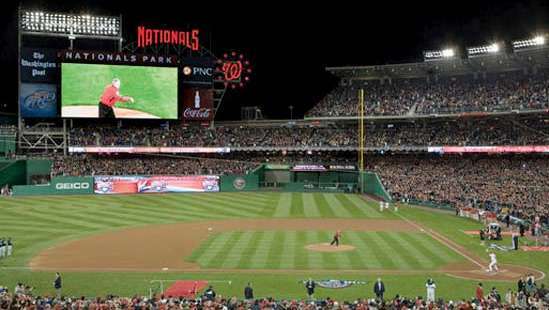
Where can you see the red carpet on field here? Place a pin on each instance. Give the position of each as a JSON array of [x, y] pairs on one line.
[[187, 289]]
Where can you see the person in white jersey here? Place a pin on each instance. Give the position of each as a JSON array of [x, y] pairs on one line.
[[493, 263]]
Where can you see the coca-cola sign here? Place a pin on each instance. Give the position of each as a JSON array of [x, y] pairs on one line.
[[191, 113], [198, 104]]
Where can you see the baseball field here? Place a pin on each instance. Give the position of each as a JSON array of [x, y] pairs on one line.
[[119, 244], [153, 88]]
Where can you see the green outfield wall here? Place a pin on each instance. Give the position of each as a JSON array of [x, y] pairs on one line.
[[239, 183], [58, 186]]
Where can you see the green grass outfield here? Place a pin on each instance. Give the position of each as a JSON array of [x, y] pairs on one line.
[[36, 223], [286, 250], [153, 88]]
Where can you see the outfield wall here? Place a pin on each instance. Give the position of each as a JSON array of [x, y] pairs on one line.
[[239, 183], [343, 182], [372, 185], [13, 172], [58, 186]]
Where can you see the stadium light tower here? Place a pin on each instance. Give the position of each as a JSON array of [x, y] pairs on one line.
[[490, 49], [70, 26], [444, 54], [65, 25], [539, 41]]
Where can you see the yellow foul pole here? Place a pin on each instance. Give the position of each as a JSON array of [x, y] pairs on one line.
[[361, 136]]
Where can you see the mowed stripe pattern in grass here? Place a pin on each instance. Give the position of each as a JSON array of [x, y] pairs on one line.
[[286, 250], [38, 222]]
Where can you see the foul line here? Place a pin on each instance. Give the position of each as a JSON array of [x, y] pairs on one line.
[[440, 239]]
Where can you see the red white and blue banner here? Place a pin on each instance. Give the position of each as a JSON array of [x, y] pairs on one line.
[[155, 184]]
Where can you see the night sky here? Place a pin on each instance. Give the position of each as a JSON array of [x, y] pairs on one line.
[[290, 45]]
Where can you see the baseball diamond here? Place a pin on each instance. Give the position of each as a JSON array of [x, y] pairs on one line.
[[213, 235], [184, 155]]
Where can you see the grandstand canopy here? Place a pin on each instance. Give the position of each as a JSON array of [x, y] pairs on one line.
[[523, 60]]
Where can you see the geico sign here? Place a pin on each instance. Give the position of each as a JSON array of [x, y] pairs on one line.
[[72, 185]]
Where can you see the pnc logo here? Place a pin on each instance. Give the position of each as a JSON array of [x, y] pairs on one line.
[[63, 186], [198, 71]]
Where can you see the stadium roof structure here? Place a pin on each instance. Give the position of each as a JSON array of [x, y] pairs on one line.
[[518, 60]]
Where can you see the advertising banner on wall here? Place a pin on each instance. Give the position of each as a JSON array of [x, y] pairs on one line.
[[197, 70], [39, 65], [197, 104], [146, 149], [489, 149], [155, 184], [38, 100]]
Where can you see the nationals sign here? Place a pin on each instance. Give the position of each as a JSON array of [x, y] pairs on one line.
[[147, 37]]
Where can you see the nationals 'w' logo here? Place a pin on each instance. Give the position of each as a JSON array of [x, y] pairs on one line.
[[232, 70], [235, 70]]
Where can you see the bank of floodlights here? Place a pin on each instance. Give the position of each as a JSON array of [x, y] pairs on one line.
[[491, 49], [448, 53], [70, 24], [535, 42]]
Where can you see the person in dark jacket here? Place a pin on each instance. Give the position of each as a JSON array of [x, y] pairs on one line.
[[379, 288], [248, 292], [57, 284], [520, 285], [310, 286], [209, 293]]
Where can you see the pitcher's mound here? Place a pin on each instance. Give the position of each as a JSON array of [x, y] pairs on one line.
[[326, 247]]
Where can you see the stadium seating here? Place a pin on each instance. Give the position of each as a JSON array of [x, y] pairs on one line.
[[471, 132], [449, 95]]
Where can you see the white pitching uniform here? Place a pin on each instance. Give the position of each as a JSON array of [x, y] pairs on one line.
[[381, 206], [493, 263], [431, 287]]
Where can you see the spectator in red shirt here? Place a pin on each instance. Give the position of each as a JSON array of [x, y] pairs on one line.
[[110, 96], [480, 292]]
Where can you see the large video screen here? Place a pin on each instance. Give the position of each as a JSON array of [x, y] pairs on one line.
[[114, 91]]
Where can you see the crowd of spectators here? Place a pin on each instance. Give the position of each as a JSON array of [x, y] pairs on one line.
[[515, 183], [220, 136], [23, 298], [147, 165], [463, 132], [493, 93]]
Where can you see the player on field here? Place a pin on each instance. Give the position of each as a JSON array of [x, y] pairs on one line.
[[493, 262], [335, 240], [110, 96]]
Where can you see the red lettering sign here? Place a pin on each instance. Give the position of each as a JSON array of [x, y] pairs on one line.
[[147, 37]]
